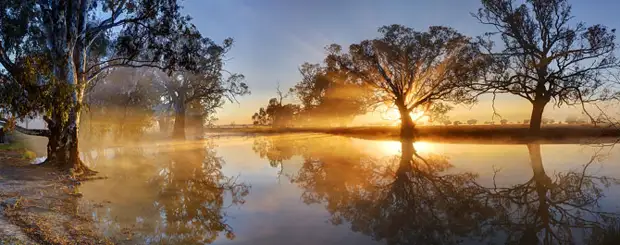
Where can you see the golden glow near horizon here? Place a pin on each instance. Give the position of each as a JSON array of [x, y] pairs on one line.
[[393, 115], [390, 148]]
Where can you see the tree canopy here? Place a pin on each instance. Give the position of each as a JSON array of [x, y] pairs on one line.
[[326, 97], [413, 70], [50, 51], [547, 56]]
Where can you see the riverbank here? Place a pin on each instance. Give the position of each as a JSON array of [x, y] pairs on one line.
[[461, 134], [39, 205]]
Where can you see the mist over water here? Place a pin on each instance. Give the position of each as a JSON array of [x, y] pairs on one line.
[[320, 189]]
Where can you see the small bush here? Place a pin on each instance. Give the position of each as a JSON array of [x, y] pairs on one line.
[[29, 155]]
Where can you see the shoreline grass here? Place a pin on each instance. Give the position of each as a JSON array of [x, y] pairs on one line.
[[467, 133]]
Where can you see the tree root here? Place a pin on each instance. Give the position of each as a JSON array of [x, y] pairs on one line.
[[78, 170]]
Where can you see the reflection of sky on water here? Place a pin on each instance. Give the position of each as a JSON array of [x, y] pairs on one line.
[[274, 211]]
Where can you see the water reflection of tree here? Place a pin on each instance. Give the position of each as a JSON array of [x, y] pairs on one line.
[[546, 210], [190, 197], [410, 199], [403, 200], [276, 149]]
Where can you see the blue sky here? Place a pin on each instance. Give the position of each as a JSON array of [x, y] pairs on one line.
[[274, 37]]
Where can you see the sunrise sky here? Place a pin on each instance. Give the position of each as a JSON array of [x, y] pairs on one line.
[[274, 37]]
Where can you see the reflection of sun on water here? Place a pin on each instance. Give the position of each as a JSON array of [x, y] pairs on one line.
[[395, 148]]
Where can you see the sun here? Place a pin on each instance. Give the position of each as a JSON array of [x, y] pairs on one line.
[[393, 115]]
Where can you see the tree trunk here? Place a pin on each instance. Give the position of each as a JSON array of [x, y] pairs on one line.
[[179, 121], [538, 108], [537, 165], [200, 126], [407, 126], [542, 184], [406, 158], [62, 148], [163, 124]]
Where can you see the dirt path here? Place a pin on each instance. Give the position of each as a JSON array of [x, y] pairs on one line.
[[38, 205]]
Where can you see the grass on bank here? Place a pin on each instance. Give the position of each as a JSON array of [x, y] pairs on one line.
[[18, 145]]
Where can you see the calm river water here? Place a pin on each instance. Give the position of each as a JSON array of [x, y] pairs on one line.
[[321, 189]]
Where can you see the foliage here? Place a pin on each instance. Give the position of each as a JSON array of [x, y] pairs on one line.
[[204, 90], [140, 35], [51, 51], [261, 117], [207, 87], [411, 70], [276, 113], [328, 96]]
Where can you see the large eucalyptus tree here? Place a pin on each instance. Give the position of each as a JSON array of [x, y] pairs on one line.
[[547, 56], [207, 89], [413, 70], [50, 50]]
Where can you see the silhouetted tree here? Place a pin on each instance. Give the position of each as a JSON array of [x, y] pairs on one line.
[[328, 95], [50, 51], [472, 122], [276, 113], [261, 117], [504, 121], [412, 70], [206, 88], [546, 57]]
